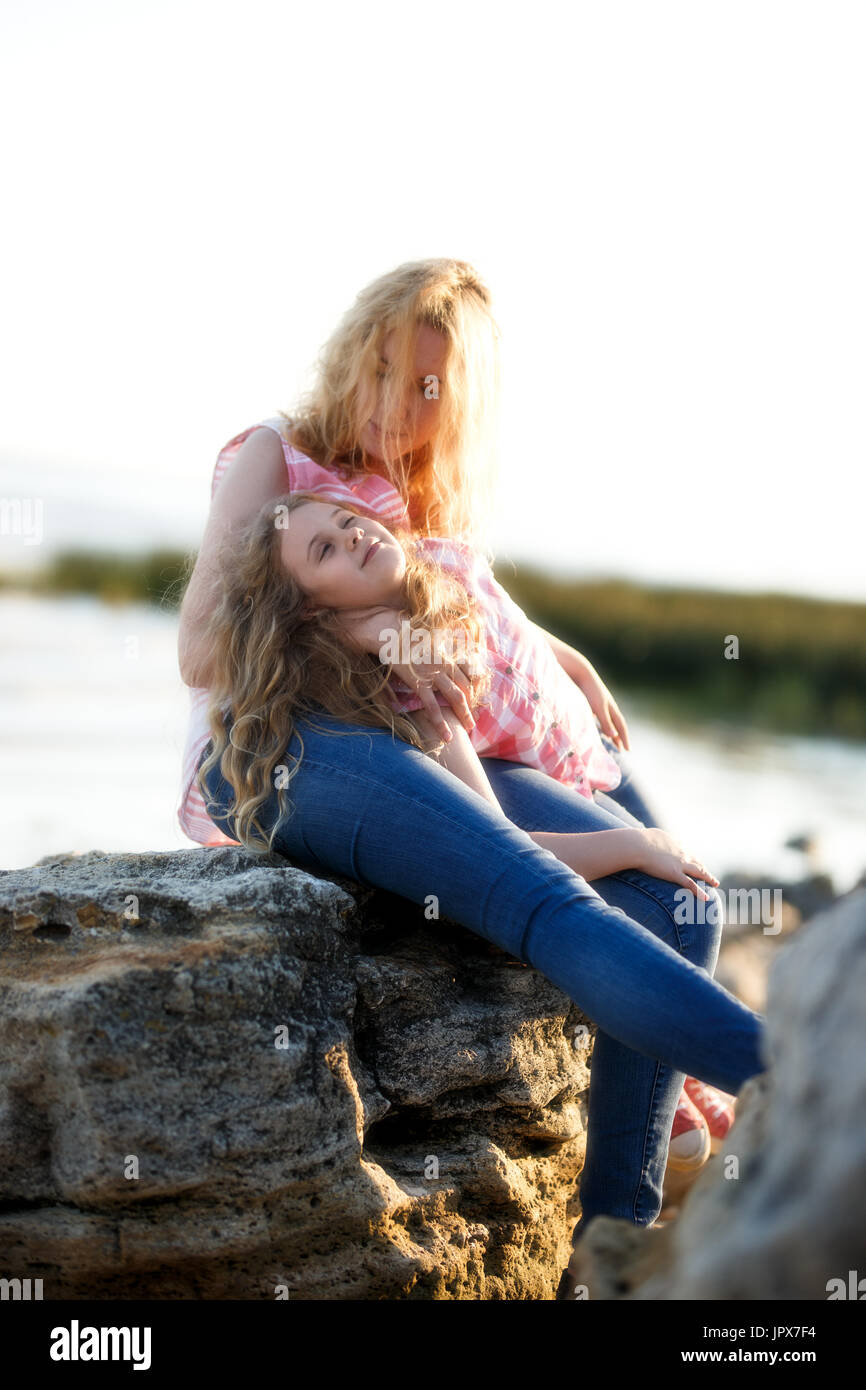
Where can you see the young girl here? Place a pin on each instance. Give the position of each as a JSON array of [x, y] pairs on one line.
[[337, 563], [306, 571]]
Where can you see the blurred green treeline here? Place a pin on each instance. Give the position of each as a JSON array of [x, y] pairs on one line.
[[801, 665], [157, 576]]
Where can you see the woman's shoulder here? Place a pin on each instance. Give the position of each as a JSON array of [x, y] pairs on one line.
[[259, 444], [274, 434], [304, 473]]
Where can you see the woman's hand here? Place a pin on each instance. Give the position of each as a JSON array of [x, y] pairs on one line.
[[658, 854], [453, 680]]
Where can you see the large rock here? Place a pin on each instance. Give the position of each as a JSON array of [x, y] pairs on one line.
[[223, 1077], [781, 1212]]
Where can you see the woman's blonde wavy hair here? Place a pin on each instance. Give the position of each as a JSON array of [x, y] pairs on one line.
[[449, 485], [277, 656]]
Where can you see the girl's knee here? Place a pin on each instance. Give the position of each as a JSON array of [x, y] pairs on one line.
[[715, 919], [706, 921], [718, 913], [698, 922]]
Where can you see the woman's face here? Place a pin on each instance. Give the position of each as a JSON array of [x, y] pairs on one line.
[[419, 419], [340, 559]]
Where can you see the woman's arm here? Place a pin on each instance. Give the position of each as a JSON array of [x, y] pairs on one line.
[[584, 675], [592, 854], [257, 472], [569, 659]]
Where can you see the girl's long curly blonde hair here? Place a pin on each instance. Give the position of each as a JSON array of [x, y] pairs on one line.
[[277, 656], [450, 484]]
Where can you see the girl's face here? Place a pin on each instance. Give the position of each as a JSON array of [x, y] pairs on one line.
[[340, 559], [419, 419]]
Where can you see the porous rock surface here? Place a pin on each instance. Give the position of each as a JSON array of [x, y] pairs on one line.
[[223, 1077]]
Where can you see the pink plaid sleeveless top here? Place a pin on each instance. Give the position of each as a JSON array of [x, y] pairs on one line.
[[533, 712]]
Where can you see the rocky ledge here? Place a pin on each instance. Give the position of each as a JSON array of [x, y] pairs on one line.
[[223, 1077]]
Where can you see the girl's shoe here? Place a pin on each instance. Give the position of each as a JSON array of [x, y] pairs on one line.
[[717, 1108], [688, 1152], [689, 1146]]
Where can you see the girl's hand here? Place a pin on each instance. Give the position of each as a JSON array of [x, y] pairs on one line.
[[659, 854], [602, 703]]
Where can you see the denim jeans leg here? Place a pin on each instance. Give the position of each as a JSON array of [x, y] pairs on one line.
[[630, 796], [632, 1097]]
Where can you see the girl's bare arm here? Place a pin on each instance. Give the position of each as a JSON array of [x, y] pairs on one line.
[[593, 853], [459, 756]]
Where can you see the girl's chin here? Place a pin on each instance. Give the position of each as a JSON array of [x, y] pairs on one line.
[[373, 443]]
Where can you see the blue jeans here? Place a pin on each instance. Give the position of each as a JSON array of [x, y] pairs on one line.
[[373, 808], [627, 801]]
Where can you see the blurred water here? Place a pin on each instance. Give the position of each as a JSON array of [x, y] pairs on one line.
[[93, 714]]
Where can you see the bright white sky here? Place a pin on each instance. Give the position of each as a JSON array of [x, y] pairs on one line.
[[667, 200]]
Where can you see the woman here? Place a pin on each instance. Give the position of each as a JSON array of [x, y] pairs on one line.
[[400, 419]]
